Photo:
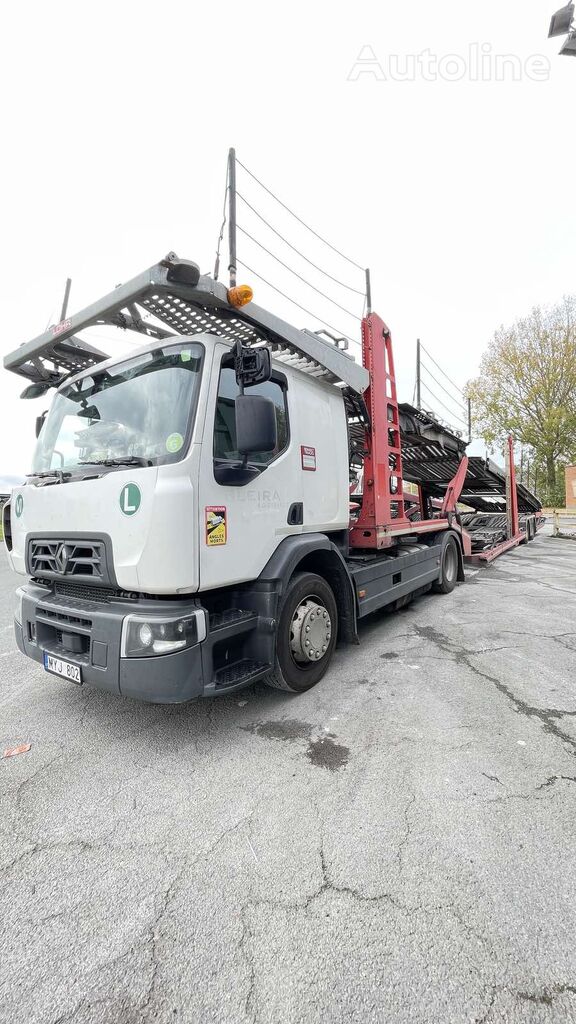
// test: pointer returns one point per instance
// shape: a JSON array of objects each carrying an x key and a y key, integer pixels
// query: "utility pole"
[
  {"x": 418, "y": 393},
  {"x": 65, "y": 299},
  {"x": 232, "y": 215},
  {"x": 469, "y": 420},
  {"x": 368, "y": 294}
]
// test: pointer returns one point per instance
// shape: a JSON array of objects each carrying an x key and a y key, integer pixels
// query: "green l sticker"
[{"x": 130, "y": 499}]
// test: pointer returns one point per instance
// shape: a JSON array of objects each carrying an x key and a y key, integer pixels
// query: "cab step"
[
  {"x": 232, "y": 622},
  {"x": 240, "y": 673}
]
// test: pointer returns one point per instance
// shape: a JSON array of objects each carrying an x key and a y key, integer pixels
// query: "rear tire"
[
  {"x": 528, "y": 534},
  {"x": 449, "y": 569},
  {"x": 306, "y": 634}
]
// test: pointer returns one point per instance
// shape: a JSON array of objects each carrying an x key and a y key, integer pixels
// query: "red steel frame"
[
  {"x": 382, "y": 517},
  {"x": 517, "y": 536}
]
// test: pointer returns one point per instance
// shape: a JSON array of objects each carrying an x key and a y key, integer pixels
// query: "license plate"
[{"x": 62, "y": 668}]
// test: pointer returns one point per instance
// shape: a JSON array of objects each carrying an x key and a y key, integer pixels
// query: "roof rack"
[{"x": 188, "y": 303}]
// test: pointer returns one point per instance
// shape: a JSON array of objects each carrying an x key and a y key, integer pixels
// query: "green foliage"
[{"x": 527, "y": 388}]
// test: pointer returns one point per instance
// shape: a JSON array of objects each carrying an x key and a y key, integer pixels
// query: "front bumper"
[{"x": 88, "y": 633}]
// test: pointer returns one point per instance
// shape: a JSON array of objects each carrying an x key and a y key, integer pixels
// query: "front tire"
[
  {"x": 306, "y": 634},
  {"x": 449, "y": 568}
]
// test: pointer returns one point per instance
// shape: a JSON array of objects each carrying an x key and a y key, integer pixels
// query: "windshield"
[{"x": 139, "y": 412}]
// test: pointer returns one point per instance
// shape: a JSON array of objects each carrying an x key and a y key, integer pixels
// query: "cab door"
[{"x": 245, "y": 512}]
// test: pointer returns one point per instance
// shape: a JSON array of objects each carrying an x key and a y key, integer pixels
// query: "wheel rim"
[
  {"x": 450, "y": 564},
  {"x": 310, "y": 632}
]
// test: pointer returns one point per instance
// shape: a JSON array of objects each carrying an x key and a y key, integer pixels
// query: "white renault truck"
[{"x": 188, "y": 526}]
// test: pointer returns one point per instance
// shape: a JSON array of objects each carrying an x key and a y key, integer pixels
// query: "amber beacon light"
[{"x": 240, "y": 295}]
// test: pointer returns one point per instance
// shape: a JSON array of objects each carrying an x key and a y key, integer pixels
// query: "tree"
[{"x": 527, "y": 387}]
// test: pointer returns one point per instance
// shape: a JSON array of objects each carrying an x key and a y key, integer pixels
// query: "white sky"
[{"x": 116, "y": 120}]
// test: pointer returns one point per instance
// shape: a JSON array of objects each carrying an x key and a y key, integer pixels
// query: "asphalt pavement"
[{"x": 398, "y": 845}]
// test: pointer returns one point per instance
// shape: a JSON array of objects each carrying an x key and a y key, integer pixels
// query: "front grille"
[
  {"x": 49, "y": 559},
  {"x": 89, "y": 593},
  {"x": 64, "y": 619},
  {"x": 85, "y": 593}
]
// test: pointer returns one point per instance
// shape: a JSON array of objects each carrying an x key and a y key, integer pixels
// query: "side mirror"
[
  {"x": 40, "y": 422},
  {"x": 37, "y": 390},
  {"x": 252, "y": 365},
  {"x": 255, "y": 424}
]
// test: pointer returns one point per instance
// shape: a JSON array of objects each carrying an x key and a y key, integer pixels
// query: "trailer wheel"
[
  {"x": 306, "y": 635},
  {"x": 527, "y": 531},
  {"x": 449, "y": 569}
]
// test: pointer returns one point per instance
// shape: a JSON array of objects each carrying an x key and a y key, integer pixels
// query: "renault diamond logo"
[{"x": 62, "y": 557}]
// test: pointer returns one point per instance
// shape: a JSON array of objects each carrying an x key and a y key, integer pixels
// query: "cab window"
[{"x": 225, "y": 424}]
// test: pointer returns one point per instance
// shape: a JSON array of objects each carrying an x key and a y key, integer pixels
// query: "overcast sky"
[{"x": 454, "y": 187}]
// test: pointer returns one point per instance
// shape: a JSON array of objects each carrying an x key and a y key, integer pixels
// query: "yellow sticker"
[{"x": 216, "y": 524}]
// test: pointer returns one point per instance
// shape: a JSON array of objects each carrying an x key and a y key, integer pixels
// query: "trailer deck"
[{"x": 432, "y": 455}]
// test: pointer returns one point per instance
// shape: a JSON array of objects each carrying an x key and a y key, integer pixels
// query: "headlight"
[
  {"x": 18, "y": 596},
  {"x": 149, "y": 636}
]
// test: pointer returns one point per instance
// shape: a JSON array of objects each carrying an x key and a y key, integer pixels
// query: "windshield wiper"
[
  {"x": 127, "y": 460},
  {"x": 55, "y": 474}
]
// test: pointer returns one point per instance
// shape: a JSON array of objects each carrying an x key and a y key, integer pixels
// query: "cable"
[
  {"x": 291, "y": 212},
  {"x": 459, "y": 418},
  {"x": 440, "y": 368},
  {"x": 221, "y": 235},
  {"x": 424, "y": 367},
  {"x": 294, "y": 249},
  {"x": 293, "y": 301},
  {"x": 286, "y": 267}
]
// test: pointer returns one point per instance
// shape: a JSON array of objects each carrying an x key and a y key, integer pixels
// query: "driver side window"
[{"x": 225, "y": 423}]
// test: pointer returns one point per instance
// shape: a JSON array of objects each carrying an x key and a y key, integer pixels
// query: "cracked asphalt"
[{"x": 398, "y": 845}]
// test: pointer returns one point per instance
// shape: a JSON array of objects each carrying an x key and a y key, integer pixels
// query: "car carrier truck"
[{"x": 188, "y": 526}]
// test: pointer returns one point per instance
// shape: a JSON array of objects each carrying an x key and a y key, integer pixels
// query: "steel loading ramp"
[
  {"x": 431, "y": 455},
  {"x": 484, "y": 487},
  {"x": 175, "y": 293}
]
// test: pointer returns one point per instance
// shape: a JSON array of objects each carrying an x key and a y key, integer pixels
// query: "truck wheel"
[
  {"x": 306, "y": 635},
  {"x": 449, "y": 573}
]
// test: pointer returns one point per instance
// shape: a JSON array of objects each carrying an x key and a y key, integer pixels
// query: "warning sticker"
[
  {"x": 216, "y": 525},
  {"x": 308, "y": 456}
]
